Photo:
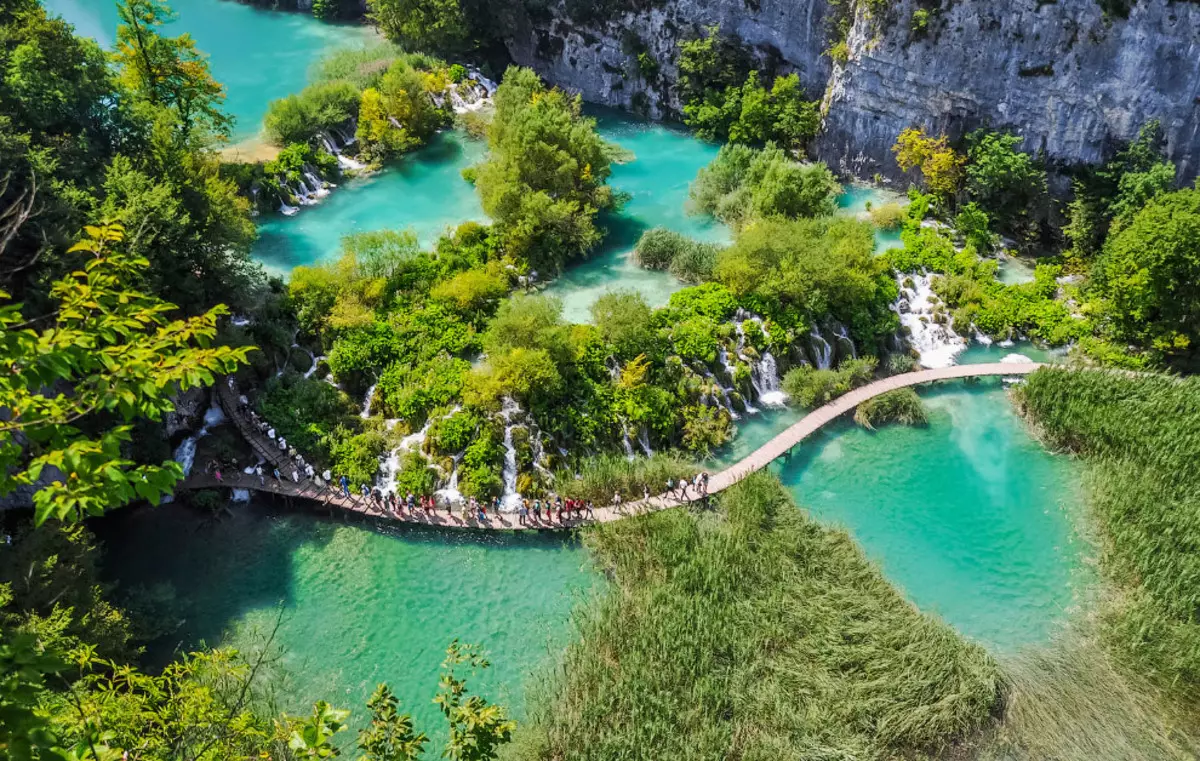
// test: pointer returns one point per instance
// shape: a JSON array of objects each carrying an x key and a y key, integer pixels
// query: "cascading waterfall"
[
  {"x": 450, "y": 492},
  {"x": 512, "y": 498},
  {"x": 724, "y": 400},
  {"x": 822, "y": 353},
  {"x": 644, "y": 440},
  {"x": 287, "y": 210},
  {"x": 315, "y": 361},
  {"x": 366, "y": 408},
  {"x": 843, "y": 337},
  {"x": 185, "y": 453},
  {"x": 626, "y": 442},
  {"x": 935, "y": 342},
  {"x": 764, "y": 376}
]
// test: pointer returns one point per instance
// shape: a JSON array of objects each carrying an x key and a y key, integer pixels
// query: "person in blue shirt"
[{"x": 345, "y": 482}]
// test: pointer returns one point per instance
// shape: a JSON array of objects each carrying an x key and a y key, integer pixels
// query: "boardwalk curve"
[{"x": 777, "y": 447}]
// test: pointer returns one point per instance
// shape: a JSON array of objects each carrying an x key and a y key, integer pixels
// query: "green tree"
[
  {"x": 439, "y": 25},
  {"x": 477, "y": 728},
  {"x": 390, "y": 735},
  {"x": 168, "y": 71},
  {"x": 544, "y": 180},
  {"x": 122, "y": 358},
  {"x": 626, "y": 322},
  {"x": 939, "y": 164},
  {"x": 1149, "y": 275},
  {"x": 1004, "y": 181}
]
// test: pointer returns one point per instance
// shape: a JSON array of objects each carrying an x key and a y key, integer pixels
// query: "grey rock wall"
[
  {"x": 1070, "y": 81},
  {"x": 598, "y": 59},
  {"x": 1061, "y": 75}
]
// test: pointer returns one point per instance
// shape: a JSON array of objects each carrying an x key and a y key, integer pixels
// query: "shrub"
[
  {"x": 810, "y": 387},
  {"x": 889, "y": 216},
  {"x": 317, "y": 108},
  {"x": 658, "y": 247},
  {"x": 902, "y": 405},
  {"x": 597, "y": 478}
]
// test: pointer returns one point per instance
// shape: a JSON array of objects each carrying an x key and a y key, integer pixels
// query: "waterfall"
[
  {"x": 765, "y": 378},
  {"x": 843, "y": 336},
  {"x": 823, "y": 353},
  {"x": 366, "y": 408},
  {"x": 287, "y": 210},
  {"x": 537, "y": 448},
  {"x": 185, "y": 453},
  {"x": 315, "y": 361},
  {"x": 450, "y": 491},
  {"x": 724, "y": 392},
  {"x": 348, "y": 164},
  {"x": 937, "y": 343},
  {"x": 320, "y": 187},
  {"x": 625, "y": 442},
  {"x": 614, "y": 367},
  {"x": 644, "y": 441},
  {"x": 512, "y": 497}
]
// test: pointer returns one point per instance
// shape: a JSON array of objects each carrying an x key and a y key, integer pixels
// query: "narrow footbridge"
[{"x": 777, "y": 447}]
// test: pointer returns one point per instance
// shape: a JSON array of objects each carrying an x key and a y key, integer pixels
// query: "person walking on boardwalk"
[
  {"x": 345, "y": 483},
  {"x": 683, "y": 485},
  {"x": 617, "y": 500},
  {"x": 590, "y": 513},
  {"x": 523, "y": 512},
  {"x": 258, "y": 471},
  {"x": 704, "y": 482},
  {"x": 537, "y": 511},
  {"x": 671, "y": 487}
]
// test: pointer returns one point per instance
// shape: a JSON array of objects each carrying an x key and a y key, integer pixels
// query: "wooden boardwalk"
[{"x": 777, "y": 447}]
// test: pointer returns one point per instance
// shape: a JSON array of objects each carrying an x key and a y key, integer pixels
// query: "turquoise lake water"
[
  {"x": 362, "y": 605},
  {"x": 258, "y": 55},
  {"x": 966, "y": 514}
]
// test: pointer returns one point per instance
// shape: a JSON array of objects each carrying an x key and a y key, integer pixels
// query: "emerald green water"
[
  {"x": 258, "y": 55},
  {"x": 969, "y": 516},
  {"x": 362, "y": 605}
]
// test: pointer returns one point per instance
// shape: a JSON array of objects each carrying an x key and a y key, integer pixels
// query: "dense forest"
[{"x": 124, "y": 253}]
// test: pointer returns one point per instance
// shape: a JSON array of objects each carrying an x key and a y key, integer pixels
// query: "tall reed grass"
[
  {"x": 598, "y": 477},
  {"x": 751, "y": 633},
  {"x": 1141, "y": 437}
]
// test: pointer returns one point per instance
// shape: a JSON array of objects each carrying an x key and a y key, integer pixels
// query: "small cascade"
[
  {"x": 625, "y": 441},
  {"x": 366, "y": 408},
  {"x": 644, "y": 441},
  {"x": 723, "y": 400},
  {"x": 185, "y": 453},
  {"x": 844, "y": 339},
  {"x": 764, "y": 376},
  {"x": 320, "y": 187},
  {"x": 316, "y": 360},
  {"x": 538, "y": 449},
  {"x": 928, "y": 326},
  {"x": 822, "y": 351},
  {"x": 450, "y": 491},
  {"x": 512, "y": 497},
  {"x": 614, "y": 367},
  {"x": 286, "y": 210}
]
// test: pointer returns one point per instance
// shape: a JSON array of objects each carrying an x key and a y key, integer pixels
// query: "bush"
[
  {"x": 317, "y": 108},
  {"x": 902, "y": 405},
  {"x": 742, "y": 184},
  {"x": 889, "y": 216},
  {"x": 810, "y": 387},
  {"x": 687, "y": 259}
]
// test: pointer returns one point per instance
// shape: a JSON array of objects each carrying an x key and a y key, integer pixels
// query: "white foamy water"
[{"x": 937, "y": 345}]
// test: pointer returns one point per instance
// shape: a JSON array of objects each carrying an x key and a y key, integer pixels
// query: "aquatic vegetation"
[
  {"x": 809, "y": 386},
  {"x": 902, "y": 406},
  {"x": 1142, "y": 435},
  {"x": 889, "y": 216},
  {"x": 598, "y": 478},
  {"x": 755, "y": 632},
  {"x": 743, "y": 184}
]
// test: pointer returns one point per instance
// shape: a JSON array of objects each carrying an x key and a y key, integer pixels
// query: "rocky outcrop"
[
  {"x": 599, "y": 58},
  {"x": 1069, "y": 80},
  {"x": 1058, "y": 72}
]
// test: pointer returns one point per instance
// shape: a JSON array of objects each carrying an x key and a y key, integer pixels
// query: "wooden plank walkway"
[{"x": 763, "y": 456}]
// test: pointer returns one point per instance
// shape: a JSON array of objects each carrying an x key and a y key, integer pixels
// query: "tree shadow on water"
[{"x": 220, "y": 569}]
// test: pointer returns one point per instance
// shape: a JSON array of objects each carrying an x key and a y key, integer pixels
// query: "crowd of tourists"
[{"x": 292, "y": 466}]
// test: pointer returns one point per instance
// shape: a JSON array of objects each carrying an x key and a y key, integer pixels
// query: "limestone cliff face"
[
  {"x": 1058, "y": 73},
  {"x": 1055, "y": 71},
  {"x": 599, "y": 58}
]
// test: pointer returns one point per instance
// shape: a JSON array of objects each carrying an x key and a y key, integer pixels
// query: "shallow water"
[
  {"x": 968, "y": 515},
  {"x": 361, "y": 605},
  {"x": 258, "y": 55},
  {"x": 423, "y": 192}
]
